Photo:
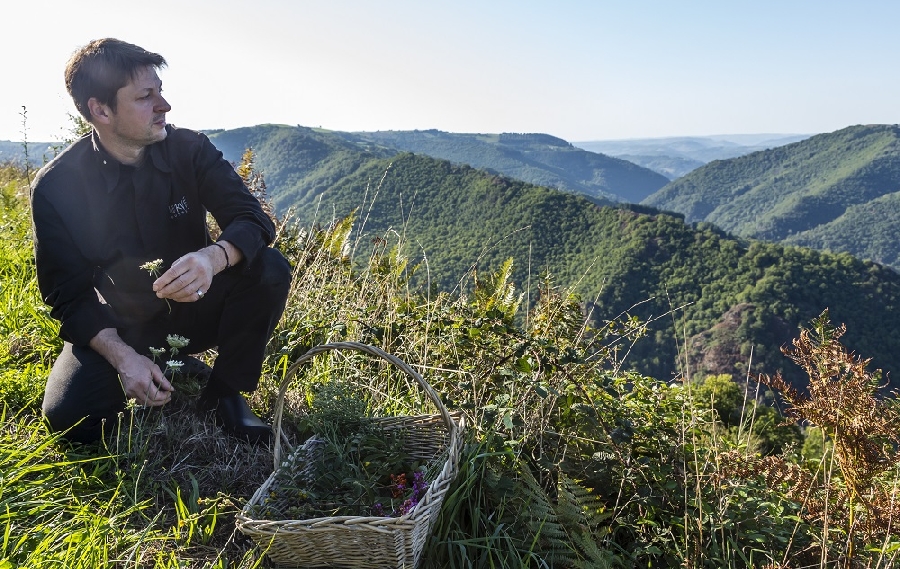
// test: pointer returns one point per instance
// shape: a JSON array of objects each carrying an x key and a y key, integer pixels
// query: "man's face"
[{"x": 140, "y": 116}]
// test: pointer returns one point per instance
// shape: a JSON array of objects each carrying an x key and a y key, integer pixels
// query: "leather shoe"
[{"x": 235, "y": 416}]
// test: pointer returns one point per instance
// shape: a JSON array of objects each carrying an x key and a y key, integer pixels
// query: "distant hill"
[
  {"x": 676, "y": 156},
  {"x": 296, "y": 161},
  {"x": 671, "y": 167},
  {"x": 835, "y": 191},
  {"x": 538, "y": 159},
  {"x": 38, "y": 152}
]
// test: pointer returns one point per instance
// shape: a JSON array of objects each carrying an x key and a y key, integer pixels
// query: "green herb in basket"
[{"x": 351, "y": 466}]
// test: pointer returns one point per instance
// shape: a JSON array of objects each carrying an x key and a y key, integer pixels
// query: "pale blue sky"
[{"x": 581, "y": 70}]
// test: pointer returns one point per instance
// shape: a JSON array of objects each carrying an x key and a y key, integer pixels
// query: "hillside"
[
  {"x": 540, "y": 400},
  {"x": 535, "y": 158},
  {"x": 539, "y": 159},
  {"x": 871, "y": 228},
  {"x": 834, "y": 191},
  {"x": 737, "y": 297},
  {"x": 671, "y": 167},
  {"x": 296, "y": 160}
]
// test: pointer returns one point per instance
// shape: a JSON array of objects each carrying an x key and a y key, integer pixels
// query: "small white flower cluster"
[
  {"x": 153, "y": 267},
  {"x": 176, "y": 342}
]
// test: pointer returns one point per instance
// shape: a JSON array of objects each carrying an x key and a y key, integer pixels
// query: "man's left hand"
[{"x": 188, "y": 279}]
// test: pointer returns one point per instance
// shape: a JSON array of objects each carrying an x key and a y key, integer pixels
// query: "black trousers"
[{"x": 238, "y": 315}]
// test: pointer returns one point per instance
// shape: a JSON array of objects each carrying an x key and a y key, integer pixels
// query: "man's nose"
[{"x": 162, "y": 106}]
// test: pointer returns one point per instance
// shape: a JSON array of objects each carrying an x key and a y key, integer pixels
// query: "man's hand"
[
  {"x": 141, "y": 379},
  {"x": 188, "y": 279},
  {"x": 144, "y": 382}
]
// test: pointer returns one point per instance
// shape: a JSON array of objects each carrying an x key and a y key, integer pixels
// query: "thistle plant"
[{"x": 154, "y": 267}]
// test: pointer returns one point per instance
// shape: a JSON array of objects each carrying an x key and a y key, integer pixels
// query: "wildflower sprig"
[
  {"x": 154, "y": 267},
  {"x": 176, "y": 343},
  {"x": 401, "y": 490}
]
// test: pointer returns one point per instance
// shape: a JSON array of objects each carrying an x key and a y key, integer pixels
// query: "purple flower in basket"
[
  {"x": 378, "y": 509},
  {"x": 407, "y": 506},
  {"x": 418, "y": 490},
  {"x": 419, "y": 484}
]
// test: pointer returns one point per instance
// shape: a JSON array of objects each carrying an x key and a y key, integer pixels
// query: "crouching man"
[{"x": 134, "y": 191}]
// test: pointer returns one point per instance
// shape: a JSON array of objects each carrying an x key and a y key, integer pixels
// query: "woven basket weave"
[{"x": 362, "y": 542}]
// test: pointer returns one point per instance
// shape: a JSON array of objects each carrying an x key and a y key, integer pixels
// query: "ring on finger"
[{"x": 200, "y": 293}]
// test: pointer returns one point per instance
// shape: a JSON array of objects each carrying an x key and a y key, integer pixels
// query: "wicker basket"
[{"x": 362, "y": 541}]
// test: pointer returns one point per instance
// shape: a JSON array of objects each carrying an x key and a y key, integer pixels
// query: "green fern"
[
  {"x": 536, "y": 512},
  {"x": 584, "y": 517},
  {"x": 498, "y": 293},
  {"x": 336, "y": 238}
]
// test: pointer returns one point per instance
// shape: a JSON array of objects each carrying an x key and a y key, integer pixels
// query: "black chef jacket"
[{"x": 97, "y": 221}]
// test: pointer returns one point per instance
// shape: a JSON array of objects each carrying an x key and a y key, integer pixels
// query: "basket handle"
[{"x": 365, "y": 348}]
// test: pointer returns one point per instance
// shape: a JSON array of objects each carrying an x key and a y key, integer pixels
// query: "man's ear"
[{"x": 100, "y": 112}]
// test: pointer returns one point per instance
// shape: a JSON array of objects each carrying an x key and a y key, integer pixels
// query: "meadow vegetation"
[{"x": 571, "y": 459}]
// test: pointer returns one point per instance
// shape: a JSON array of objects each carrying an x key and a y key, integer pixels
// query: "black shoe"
[{"x": 235, "y": 416}]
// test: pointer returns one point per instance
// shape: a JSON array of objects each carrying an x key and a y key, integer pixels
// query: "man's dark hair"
[{"x": 102, "y": 67}]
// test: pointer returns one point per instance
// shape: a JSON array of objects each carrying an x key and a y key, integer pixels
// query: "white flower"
[
  {"x": 153, "y": 267},
  {"x": 174, "y": 364},
  {"x": 176, "y": 342},
  {"x": 157, "y": 351}
]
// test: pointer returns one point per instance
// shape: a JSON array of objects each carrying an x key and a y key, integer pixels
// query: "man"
[{"x": 133, "y": 191}]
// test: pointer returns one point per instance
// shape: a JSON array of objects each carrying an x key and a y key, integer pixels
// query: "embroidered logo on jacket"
[{"x": 178, "y": 208}]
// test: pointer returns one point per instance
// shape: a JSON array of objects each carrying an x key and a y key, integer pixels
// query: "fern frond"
[
  {"x": 498, "y": 293},
  {"x": 584, "y": 517}
]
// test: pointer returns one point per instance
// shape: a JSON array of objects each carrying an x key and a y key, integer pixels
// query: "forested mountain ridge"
[
  {"x": 836, "y": 191},
  {"x": 731, "y": 297},
  {"x": 539, "y": 159},
  {"x": 295, "y": 160}
]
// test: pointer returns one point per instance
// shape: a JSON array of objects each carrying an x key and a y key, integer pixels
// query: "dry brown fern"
[{"x": 843, "y": 400}]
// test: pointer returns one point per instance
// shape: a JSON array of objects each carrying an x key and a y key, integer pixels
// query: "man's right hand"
[{"x": 141, "y": 379}]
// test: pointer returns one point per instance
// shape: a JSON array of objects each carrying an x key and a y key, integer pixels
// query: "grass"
[{"x": 570, "y": 460}]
